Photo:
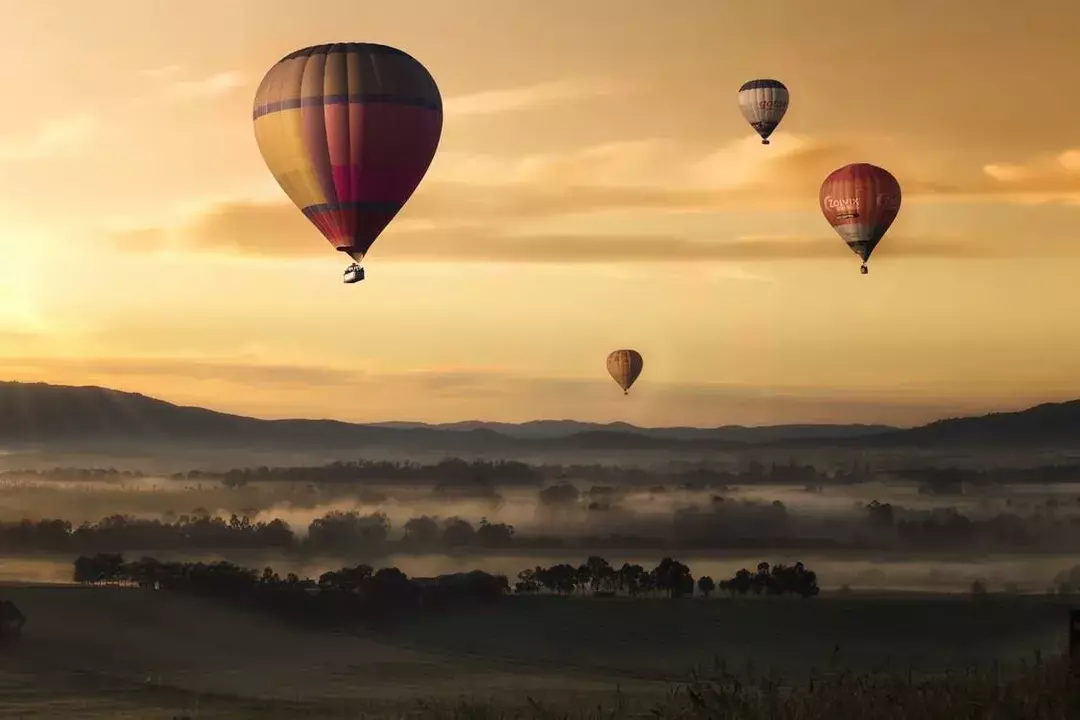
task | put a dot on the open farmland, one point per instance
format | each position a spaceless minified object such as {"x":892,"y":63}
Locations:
{"x":80,"y":639}
{"x":658,"y":639}
{"x":93,"y":652}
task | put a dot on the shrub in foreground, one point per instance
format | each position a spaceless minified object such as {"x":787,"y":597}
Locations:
{"x":1041,"y":690}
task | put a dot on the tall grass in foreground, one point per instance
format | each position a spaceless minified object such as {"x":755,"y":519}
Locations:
{"x":1039,"y":690}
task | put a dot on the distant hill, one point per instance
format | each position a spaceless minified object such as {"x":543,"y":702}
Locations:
{"x":44,"y":414}
{"x":1047,"y":425}
{"x":735,"y":433}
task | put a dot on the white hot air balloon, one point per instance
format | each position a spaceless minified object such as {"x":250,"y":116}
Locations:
{"x":763,"y":104}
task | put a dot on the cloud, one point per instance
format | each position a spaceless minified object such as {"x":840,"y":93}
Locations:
{"x":189,"y":369}
{"x":660,"y":168}
{"x":490,"y":102}
{"x":183,"y":91}
{"x":210,"y":86}
{"x":62,"y":136}
{"x":1045,"y":177}
{"x":474,"y":208}
{"x":161,"y":72}
{"x":485,"y":208}
{"x":278,"y":230}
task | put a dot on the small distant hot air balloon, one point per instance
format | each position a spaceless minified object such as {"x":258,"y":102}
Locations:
{"x":625,"y":366}
{"x":348,"y":131}
{"x":860,"y":201}
{"x":763,"y":104}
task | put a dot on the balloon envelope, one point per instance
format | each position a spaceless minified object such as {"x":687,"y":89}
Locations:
{"x":763,"y":104}
{"x":860,"y":201}
{"x":625,"y":366}
{"x":348,"y":131}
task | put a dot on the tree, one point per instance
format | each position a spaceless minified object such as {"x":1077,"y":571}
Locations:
{"x":673,"y":577}
{"x":494,"y":535}
{"x":562,"y":494}
{"x":706,"y":585}
{"x":601,"y":574}
{"x":778,"y":580}
{"x":421,"y":532}
{"x":458,"y":532}
{"x":528,"y":582}
{"x":629,"y":578}
{"x":348,"y":531}
{"x":880,"y":514}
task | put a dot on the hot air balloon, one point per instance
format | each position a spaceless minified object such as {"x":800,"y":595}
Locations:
{"x":348,"y":131}
{"x":625,"y":366}
{"x":860,"y":201}
{"x":763,"y":104}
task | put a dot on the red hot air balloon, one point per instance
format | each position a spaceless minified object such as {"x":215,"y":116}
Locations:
{"x":348,"y":131}
{"x":860,"y":201}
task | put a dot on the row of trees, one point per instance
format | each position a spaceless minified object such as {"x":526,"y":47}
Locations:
{"x":723,"y":524}
{"x":1050,"y":527}
{"x":670,"y":577}
{"x":348,"y":594}
{"x":455,"y":471}
{"x":336,"y":532}
{"x":363,"y":592}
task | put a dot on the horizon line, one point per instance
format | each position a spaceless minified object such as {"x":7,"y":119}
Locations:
{"x":436,"y":425}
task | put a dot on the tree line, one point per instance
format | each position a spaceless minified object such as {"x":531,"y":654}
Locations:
{"x":337,"y":532}
{"x":364,"y":592}
{"x":670,"y":577}
{"x":722,"y":523}
{"x":456,"y":471}
{"x":349,"y":594}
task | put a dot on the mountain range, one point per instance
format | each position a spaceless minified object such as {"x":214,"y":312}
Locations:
{"x":43,"y":414}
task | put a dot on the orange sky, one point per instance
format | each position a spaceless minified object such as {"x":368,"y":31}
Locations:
{"x":595,"y":187}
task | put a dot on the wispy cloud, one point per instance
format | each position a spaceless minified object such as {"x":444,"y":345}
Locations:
{"x":278,"y":230}
{"x":505,"y":100}
{"x":477,"y":209}
{"x":210,"y":86}
{"x":162,"y":72}
{"x":1047,"y":177}
{"x":61,"y":136}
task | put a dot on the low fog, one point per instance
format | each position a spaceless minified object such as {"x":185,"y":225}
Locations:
{"x":861,"y":529}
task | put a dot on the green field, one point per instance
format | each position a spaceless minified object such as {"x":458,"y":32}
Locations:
{"x":127,"y":653}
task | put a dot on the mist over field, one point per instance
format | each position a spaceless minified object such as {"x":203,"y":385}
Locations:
{"x":941,"y":534}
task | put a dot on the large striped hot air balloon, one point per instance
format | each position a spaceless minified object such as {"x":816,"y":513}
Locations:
{"x":763,"y":104}
{"x":860,"y":201}
{"x":625,"y":366}
{"x":348,"y":131}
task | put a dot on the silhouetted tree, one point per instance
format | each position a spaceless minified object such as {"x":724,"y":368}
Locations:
{"x":494,"y":535}
{"x":421,"y":532}
{"x":562,"y":494}
{"x":673,"y":577}
{"x":458,"y":533}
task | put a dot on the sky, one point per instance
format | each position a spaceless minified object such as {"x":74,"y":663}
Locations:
{"x":595,"y":188}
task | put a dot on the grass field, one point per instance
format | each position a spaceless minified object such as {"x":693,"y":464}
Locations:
{"x":128,"y":653}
